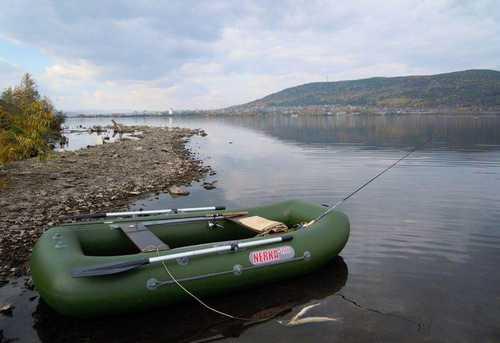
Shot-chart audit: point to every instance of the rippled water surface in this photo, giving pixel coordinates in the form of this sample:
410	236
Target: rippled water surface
422	260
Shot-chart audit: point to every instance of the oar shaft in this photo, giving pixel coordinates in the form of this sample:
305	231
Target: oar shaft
169	210
149	212
183	220
205	218
221	248
189	254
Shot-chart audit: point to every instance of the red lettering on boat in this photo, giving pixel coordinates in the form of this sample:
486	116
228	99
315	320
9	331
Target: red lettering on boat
271	255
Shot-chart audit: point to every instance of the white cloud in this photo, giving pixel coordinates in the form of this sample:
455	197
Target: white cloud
219	53
10	74
79	71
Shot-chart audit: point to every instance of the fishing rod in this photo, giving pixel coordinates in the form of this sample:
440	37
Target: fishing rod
338	203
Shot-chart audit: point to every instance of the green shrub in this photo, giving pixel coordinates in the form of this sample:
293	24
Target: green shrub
27	122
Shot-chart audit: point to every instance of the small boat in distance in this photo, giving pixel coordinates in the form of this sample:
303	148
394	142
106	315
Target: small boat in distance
132	261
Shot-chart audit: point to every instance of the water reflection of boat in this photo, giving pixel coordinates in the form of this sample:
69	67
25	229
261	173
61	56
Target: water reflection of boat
189	321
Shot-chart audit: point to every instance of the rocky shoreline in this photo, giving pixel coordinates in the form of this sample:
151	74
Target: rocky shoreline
39	194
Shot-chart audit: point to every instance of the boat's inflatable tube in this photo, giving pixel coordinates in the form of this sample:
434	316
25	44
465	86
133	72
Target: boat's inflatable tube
62	249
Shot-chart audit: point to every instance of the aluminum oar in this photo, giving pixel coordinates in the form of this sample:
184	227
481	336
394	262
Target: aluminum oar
120	267
142	213
205	218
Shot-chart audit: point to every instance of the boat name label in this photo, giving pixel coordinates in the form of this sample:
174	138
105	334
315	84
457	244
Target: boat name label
266	256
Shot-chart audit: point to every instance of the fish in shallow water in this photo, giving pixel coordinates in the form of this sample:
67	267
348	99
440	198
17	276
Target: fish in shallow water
297	320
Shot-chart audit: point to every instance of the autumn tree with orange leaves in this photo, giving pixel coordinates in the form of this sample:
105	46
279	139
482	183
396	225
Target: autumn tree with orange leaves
27	122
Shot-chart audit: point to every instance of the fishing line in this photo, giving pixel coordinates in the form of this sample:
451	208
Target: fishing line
338	203
225	314
199	300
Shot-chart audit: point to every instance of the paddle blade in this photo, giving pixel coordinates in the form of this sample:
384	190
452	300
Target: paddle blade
108	268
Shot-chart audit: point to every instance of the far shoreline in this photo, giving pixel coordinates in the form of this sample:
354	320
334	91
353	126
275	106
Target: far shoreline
298	112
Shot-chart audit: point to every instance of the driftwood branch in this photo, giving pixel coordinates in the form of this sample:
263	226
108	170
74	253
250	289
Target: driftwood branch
119	127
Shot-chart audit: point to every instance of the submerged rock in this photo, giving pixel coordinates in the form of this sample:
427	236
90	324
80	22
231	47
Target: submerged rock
177	191
209	185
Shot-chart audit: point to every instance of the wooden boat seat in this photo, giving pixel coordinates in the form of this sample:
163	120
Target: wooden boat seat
143	238
259	225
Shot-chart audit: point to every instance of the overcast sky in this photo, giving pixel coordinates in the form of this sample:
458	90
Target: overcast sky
113	55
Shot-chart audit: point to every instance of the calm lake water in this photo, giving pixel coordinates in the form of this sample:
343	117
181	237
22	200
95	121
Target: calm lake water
422	260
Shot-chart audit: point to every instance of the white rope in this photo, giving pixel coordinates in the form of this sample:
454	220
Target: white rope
198	299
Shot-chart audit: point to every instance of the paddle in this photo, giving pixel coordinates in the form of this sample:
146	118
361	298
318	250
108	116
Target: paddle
208	217
120	267
142	213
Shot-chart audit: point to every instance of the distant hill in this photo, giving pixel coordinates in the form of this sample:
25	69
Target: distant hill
462	89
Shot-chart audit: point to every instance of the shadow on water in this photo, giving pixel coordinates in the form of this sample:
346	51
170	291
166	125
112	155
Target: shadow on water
189	321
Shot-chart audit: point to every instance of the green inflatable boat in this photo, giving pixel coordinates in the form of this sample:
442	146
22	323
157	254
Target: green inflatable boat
130	261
